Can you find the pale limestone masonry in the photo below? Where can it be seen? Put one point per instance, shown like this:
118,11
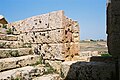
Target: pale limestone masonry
52,35
37,46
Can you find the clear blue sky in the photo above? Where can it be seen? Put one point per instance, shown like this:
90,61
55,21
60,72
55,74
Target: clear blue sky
91,14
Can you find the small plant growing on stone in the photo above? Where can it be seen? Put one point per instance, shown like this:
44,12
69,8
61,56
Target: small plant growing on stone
50,69
9,31
2,45
14,53
38,62
4,26
61,74
17,79
106,55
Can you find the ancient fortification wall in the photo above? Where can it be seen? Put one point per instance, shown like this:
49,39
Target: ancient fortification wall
113,27
52,35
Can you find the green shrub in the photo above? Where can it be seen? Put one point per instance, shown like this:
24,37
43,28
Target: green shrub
9,31
38,62
14,53
2,45
4,26
50,69
106,55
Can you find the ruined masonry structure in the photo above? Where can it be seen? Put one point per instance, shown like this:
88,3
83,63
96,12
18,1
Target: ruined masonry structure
51,35
113,27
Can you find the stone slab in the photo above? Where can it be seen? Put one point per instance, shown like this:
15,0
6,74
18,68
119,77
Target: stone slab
5,53
8,37
88,70
49,77
24,73
14,62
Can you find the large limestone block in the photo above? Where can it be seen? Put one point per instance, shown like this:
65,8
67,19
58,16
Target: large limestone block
24,73
9,37
51,51
71,49
12,38
56,65
8,44
42,22
14,62
49,77
57,51
54,36
88,70
5,53
56,19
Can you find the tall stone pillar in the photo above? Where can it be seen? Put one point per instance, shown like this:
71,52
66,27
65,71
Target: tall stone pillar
113,31
113,27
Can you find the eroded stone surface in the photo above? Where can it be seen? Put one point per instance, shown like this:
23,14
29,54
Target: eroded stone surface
5,53
88,70
49,77
14,62
24,73
113,27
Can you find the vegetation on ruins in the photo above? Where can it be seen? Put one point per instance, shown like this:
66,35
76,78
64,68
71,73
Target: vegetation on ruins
2,45
4,26
50,69
9,31
106,55
27,45
38,62
14,53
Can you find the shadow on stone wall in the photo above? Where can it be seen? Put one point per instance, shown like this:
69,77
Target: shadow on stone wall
99,68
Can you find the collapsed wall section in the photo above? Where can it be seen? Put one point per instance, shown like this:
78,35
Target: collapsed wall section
52,35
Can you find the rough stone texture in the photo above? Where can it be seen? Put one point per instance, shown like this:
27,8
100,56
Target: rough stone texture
55,64
88,70
89,53
24,73
8,37
51,35
5,53
113,27
14,62
49,77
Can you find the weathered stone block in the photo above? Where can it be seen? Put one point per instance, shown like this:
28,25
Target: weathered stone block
49,77
27,73
88,70
5,53
14,62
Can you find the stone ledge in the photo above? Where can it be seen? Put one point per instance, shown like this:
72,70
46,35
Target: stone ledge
22,73
9,37
5,53
88,70
14,62
49,77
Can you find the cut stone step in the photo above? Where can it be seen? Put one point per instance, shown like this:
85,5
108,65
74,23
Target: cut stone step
8,37
14,44
14,62
8,44
5,53
24,73
49,77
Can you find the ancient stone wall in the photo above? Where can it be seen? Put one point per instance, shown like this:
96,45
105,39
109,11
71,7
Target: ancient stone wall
113,27
52,35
